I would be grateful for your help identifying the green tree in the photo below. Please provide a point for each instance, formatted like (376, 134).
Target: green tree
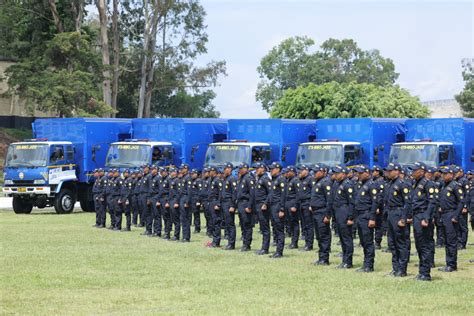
(63, 79)
(292, 64)
(344, 100)
(466, 97)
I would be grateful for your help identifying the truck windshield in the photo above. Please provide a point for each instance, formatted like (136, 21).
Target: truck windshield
(27, 155)
(408, 154)
(125, 155)
(330, 155)
(218, 155)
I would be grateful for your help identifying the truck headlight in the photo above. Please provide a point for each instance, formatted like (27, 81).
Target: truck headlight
(39, 182)
(8, 182)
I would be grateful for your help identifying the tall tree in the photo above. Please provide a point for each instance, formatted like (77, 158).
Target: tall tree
(466, 97)
(104, 40)
(116, 54)
(292, 64)
(334, 100)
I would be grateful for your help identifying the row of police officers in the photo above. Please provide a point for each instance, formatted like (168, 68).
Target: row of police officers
(307, 203)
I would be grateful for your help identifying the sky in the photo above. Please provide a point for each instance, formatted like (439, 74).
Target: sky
(426, 40)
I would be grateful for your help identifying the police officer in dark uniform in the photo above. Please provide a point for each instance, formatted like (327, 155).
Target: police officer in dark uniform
(262, 192)
(291, 206)
(244, 201)
(365, 205)
(164, 203)
(96, 194)
(196, 202)
(110, 198)
(153, 222)
(320, 207)
(227, 202)
(135, 197)
(463, 230)
(396, 204)
(276, 205)
(214, 199)
(174, 203)
(380, 223)
(116, 193)
(204, 193)
(125, 199)
(451, 203)
(303, 197)
(423, 204)
(343, 210)
(185, 197)
(145, 199)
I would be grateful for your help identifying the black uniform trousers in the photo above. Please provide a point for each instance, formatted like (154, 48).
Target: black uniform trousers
(229, 219)
(307, 222)
(175, 217)
(397, 240)
(216, 223)
(185, 218)
(156, 224)
(135, 208)
(278, 225)
(449, 230)
(264, 222)
(423, 242)
(166, 214)
(366, 236)
(345, 233)
(246, 223)
(323, 234)
(111, 206)
(294, 223)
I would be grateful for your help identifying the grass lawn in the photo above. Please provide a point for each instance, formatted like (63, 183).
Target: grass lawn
(59, 264)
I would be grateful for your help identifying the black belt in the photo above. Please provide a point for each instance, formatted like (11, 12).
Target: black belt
(418, 211)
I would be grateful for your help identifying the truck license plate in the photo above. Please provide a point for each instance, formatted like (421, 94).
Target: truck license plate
(21, 189)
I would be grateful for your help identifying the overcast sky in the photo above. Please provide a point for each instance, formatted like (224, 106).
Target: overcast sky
(425, 39)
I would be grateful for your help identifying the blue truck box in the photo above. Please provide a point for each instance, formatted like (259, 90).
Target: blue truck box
(260, 140)
(437, 142)
(352, 141)
(167, 141)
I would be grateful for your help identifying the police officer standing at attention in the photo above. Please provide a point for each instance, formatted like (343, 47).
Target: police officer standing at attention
(214, 199)
(321, 205)
(365, 205)
(451, 204)
(136, 198)
(396, 204)
(277, 208)
(153, 221)
(164, 202)
(291, 206)
(244, 200)
(228, 206)
(380, 223)
(125, 201)
(343, 210)
(196, 203)
(262, 194)
(116, 193)
(463, 230)
(185, 197)
(96, 194)
(174, 203)
(423, 204)
(145, 198)
(303, 199)
(110, 198)
(204, 196)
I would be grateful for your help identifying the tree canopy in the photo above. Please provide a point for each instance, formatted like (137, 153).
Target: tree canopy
(466, 96)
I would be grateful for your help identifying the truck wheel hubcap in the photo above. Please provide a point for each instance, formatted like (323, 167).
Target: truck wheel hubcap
(67, 202)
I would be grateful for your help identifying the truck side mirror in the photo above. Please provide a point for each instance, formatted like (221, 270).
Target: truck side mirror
(193, 151)
(283, 154)
(94, 149)
(381, 147)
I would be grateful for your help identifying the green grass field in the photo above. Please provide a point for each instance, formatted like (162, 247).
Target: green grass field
(53, 264)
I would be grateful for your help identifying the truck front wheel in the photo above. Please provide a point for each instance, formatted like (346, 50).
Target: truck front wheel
(64, 202)
(21, 206)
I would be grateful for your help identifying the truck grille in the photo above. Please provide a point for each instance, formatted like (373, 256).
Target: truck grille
(23, 182)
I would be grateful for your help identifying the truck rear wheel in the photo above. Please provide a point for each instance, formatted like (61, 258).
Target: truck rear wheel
(64, 202)
(87, 206)
(21, 206)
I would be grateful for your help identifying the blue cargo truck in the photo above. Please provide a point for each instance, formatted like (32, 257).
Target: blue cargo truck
(436, 142)
(260, 140)
(166, 142)
(55, 168)
(351, 142)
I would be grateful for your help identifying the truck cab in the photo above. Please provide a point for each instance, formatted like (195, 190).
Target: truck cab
(41, 173)
(433, 154)
(237, 152)
(329, 153)
(135, 153)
